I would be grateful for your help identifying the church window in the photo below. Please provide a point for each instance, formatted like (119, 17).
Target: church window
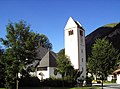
(82, 59)
(82, 68)
(81, 32)
(42, 69)
(81, 50)
(70, 32)
(81, 39)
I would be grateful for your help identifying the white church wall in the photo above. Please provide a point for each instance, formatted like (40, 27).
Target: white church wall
(48, 73)
(71, 47)
(74, 43)
(43, 74)
(118, 79)
(51, 72)
(82, 52)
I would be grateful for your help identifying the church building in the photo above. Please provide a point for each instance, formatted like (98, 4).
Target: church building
(74, 49)
(75, 45)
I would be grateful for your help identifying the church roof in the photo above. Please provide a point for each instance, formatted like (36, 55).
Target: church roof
(72, 23)
(41, 52)
(46, 57)
(49, 60)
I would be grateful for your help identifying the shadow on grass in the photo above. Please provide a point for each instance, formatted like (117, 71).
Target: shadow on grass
(94, 87)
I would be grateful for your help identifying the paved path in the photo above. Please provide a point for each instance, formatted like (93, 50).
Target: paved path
(109, 86)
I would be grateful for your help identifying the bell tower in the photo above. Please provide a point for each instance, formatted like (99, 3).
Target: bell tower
(75, 45)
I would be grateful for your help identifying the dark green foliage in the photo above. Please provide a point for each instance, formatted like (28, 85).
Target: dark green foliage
(58, 83)
(29, 82)
(88, 81)
(2, 68)
(103, 58)
(43, 41)
(111, 32)
(64, 66)
(21, 45)
(113, 80)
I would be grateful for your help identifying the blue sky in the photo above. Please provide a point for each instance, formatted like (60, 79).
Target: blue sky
(49, 17)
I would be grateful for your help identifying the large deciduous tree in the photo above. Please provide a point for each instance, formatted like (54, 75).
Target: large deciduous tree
(103, 58)
(43, 41)
(21, 44)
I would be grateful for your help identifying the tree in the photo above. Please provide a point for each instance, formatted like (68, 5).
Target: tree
(43, 41)
(21, 44)
(2, 68)
(103, 58)
(64, 66)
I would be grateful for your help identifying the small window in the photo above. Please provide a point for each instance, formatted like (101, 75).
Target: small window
(82, 68)
(81, 50)
(70, 32)
(81, 32)
(81, 40)
(41, 68)
(82, 59)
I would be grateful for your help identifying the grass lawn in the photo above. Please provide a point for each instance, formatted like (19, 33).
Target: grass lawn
(57, 88)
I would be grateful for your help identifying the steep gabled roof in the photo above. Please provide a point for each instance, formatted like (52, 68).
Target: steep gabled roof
(72, 23)
(45, 58)
(41, 52)
(49, 60)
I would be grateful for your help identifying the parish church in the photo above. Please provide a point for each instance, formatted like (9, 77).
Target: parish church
(74, 37)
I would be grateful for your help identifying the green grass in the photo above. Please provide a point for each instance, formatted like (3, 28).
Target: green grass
(111, 25)
(57, 88)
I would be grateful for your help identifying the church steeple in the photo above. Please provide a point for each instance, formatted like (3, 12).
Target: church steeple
(75, 44)
(72, 23)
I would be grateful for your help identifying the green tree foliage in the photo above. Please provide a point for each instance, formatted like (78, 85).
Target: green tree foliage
(64, 66)
(2, 67)
(103, 58)
(43, 41)
(21, 44)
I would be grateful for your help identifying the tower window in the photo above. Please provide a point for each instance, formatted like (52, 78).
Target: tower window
(70, 32)
(82, 59)
(81, 50)
(82, 69)
(81, 32)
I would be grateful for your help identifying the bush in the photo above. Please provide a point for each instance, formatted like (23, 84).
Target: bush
(30, 81)
(88, 81)
(52, 82)
(113, 81)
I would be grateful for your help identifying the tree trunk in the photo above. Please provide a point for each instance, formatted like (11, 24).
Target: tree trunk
(16, 80)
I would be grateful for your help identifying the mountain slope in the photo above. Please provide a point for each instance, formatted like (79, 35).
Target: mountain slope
(111, 31)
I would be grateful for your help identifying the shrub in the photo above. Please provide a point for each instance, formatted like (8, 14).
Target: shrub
(113, 81)
(30, 81)
(60, 82)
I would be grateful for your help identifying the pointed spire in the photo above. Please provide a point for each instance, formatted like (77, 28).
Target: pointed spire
(72, 23)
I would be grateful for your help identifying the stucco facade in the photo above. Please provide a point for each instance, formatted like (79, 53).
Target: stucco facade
(75, 45)
(44, 74)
